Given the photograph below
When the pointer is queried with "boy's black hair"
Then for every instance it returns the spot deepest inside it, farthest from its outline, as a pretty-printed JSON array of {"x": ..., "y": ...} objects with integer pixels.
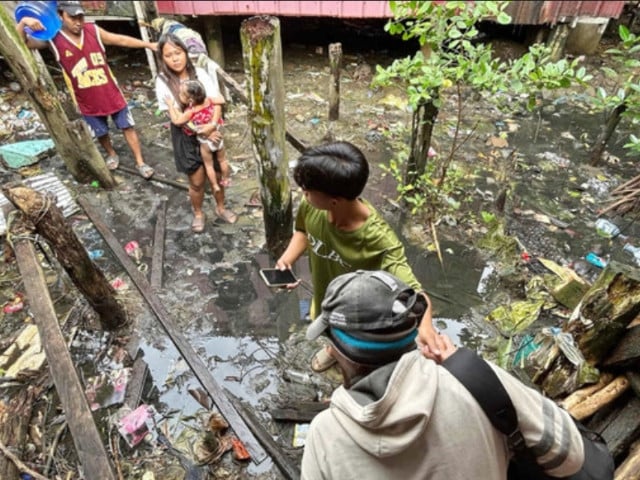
[
  {"x": 195, "y": 91},
  {"x": 337, "y": 169}
]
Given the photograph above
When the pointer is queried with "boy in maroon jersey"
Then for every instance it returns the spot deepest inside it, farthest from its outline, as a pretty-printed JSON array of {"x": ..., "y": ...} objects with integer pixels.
[{"x": 79, "y": 48}]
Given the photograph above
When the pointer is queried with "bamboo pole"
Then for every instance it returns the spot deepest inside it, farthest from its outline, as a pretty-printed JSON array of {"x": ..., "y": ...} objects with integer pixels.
[{"x": 144, "y": 33}]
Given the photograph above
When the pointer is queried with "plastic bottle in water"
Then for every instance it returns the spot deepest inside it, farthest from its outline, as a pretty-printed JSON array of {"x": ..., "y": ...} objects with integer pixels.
[
  {"x": 635, "y": 251},
  {"x": 595, "y": 260},
  {"x": 606, "y": 229}
]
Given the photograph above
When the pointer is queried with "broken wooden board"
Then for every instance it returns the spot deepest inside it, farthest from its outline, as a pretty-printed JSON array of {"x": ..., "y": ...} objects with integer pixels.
[
  {"x": 601, "y": 319},
  {"x": 157, "y": 259},
  {"x": 299, "y": 412},
  {"x": 622, "y": 428},
  {"x": 86, "y": 438},
  {"x": 286, "y": 466},
  {"x": 25, "y": 353},
  {"x": 627, "y": 352}
]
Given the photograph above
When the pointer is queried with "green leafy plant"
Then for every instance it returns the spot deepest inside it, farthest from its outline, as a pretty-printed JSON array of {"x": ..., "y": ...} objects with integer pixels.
[
  {"x": 450, "y": 61},
  {"x": 622, "y": 99}
]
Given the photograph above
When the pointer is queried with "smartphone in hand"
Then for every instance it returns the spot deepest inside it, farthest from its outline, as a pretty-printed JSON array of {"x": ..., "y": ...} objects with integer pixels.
[{"x": 275, "y": 277}]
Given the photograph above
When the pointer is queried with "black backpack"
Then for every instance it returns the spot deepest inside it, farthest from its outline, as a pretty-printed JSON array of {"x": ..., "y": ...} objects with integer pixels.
[{"x": 483, "y": 383}]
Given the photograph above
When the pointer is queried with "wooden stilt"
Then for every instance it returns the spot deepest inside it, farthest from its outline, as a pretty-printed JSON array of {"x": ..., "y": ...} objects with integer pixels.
[{"x": 335, "y": 64}]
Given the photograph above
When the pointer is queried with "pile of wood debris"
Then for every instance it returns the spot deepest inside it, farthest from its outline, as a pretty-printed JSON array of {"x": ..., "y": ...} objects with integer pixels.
[{"x": 590, "y": 366}]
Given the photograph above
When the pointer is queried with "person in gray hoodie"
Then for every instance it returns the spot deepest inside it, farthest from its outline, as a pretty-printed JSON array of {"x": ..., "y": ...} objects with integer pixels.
[{"x": 401, "y": 415}]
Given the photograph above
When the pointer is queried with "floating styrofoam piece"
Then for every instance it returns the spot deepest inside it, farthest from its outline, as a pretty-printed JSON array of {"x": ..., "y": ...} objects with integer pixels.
[
  {"x": 49, "y": 183},
  {"x": 28, "y": 152}
]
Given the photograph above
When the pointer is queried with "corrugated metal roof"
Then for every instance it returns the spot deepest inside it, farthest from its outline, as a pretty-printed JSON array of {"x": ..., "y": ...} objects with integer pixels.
[{"x": 522, "y": 12}]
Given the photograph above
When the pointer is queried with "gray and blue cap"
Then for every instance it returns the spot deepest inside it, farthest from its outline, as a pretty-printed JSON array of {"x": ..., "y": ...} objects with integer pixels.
[
  {"x": 72, "y": 8},
  {"x": 370, "y": 316}
]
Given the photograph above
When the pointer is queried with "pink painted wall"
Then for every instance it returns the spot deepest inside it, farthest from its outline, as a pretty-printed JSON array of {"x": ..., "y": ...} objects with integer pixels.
[
  {"x": 522, "y": 12},
  {"x": 372, "y": 9}
]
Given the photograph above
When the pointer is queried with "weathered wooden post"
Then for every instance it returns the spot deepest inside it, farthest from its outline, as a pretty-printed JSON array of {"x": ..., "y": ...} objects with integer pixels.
[
  {"x": 49, "y": 222},
  {"x": 558, "y": 40},
  {"x": 262, "y": 55},
  {"x": 86, "y": 438},
  {"x": 72, "y": 138},
  {"x": 212, "y": 30},
  {"x": 335, "y": 63}
]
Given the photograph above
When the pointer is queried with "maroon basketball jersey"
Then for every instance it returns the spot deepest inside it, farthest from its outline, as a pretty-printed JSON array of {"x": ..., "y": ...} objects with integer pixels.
[{"x": 87, "y": 73}]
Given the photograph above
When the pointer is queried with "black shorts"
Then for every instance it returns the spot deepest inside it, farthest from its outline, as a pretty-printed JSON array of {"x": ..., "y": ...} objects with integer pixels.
[{"x": 186, "y": 151}]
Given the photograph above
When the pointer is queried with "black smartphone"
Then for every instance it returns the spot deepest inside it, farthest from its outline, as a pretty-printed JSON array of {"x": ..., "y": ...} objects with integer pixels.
[{"x": 274, "y": 277}]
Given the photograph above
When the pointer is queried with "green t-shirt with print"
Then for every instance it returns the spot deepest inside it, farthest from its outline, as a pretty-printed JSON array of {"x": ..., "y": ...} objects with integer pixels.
[{"x": 333, "y": 252}]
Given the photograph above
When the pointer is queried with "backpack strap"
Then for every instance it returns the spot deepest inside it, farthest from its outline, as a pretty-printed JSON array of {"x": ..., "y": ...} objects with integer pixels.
[{"x": 485, "y": 386}]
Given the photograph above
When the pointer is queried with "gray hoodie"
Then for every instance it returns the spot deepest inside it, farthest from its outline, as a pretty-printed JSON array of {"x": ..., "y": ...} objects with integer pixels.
[{"x": 414, "y": 420}]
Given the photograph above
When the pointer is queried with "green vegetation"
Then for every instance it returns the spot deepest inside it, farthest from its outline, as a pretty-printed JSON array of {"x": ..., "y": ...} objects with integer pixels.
[
  {"x": 622, "y": 100},
  {"x": 451, "y": 64}
]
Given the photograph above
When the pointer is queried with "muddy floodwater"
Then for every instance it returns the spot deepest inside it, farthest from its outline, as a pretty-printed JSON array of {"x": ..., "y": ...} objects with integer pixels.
[{"x": 250, "y": 337}]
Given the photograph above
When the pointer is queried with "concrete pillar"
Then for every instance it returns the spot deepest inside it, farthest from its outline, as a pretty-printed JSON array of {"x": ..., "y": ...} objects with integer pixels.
[{"x": 585, "y": 37}]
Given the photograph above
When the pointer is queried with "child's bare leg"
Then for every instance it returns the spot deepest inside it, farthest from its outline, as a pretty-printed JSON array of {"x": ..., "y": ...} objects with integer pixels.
[
  {"x": 207, "y": 159},
  {"x": 224, "y": 167}
]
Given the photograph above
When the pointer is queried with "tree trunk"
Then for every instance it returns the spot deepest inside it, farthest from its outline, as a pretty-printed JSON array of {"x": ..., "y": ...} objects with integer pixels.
[
  {"x": 335, "y": 63},
  {"x": 71, "y": 138},
  {"x": 262, "y": 55},
  {"x": 421, "y": 130},
  {"x": 49, "y": 222},
  {"x": 612, "y": 122}
]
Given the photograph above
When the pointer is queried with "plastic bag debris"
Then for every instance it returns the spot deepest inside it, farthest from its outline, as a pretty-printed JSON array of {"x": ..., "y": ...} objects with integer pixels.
[
  {"x": 133, "y": 250},
  {"x": 300, "y": 432},
  {"x": 137, "y": 425},
  {"x": 108, "y": 388},
  {"x": 14, "y": 305}
]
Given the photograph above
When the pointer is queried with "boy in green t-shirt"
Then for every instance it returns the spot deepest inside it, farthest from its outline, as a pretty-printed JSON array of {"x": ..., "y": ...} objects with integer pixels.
[{"x": 343, "y": 233}]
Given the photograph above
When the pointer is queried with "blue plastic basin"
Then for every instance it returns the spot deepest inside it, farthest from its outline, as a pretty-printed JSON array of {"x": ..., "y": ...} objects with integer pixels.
[{"x": 46, "y": 12}]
